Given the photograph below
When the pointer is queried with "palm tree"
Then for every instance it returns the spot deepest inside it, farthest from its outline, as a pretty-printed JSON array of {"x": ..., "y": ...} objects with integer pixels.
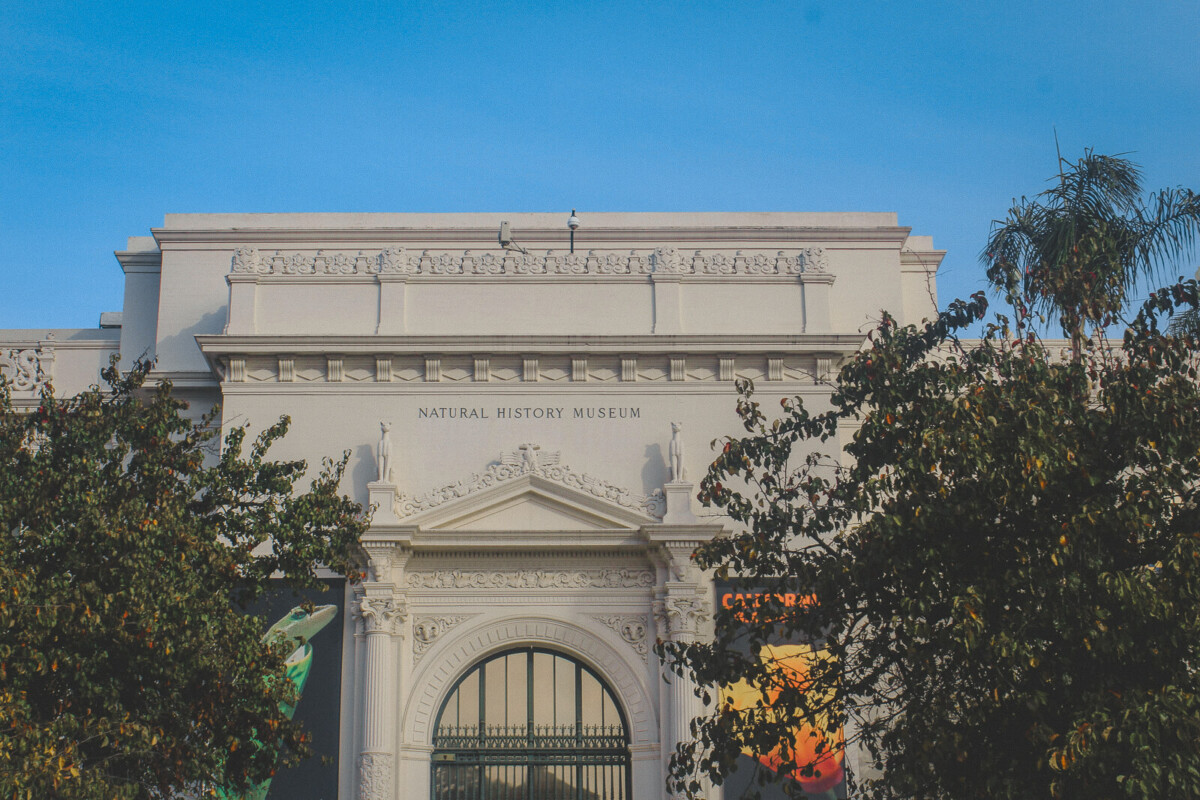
[{"x": 1079, "y": 247}]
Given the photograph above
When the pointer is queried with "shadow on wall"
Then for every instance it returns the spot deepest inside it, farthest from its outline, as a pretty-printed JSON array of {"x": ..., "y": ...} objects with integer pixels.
[
  {"x": 361, "y": 470},
  {"x": 212, "y": 322},
  {"x": 654, "y": 472}
]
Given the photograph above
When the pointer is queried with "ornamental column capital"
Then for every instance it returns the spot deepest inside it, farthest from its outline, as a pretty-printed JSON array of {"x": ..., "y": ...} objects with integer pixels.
[
  {"x": 383, "y": 614},
  {"x": 686, "y": 613}
]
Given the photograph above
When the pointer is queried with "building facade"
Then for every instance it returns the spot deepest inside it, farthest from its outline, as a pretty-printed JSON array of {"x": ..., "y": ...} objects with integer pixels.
[{"x": 529, "y": 421}]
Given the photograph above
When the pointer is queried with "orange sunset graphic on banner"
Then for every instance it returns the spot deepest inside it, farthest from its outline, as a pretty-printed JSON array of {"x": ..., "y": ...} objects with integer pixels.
[{"x": 814, "y": 746}]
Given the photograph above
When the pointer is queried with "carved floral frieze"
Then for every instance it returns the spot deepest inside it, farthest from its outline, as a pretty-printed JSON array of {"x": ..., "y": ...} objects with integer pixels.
[
  {"x": 530, "y": 460},
  {"x": 532, "y": 579},
  {"x": 401, "y": 261}
]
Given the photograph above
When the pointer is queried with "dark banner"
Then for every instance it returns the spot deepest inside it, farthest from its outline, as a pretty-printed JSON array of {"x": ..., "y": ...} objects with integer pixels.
[
  {"x": 314, "y": 778},
  {"x": 795, "y": 659}
]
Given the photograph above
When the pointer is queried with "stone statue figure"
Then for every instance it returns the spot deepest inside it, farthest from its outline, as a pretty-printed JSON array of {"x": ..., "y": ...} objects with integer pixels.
[
  {"x": 531, "y": 456},
  {"x": 676, "y": 453},
  {"x": 384, "y": 457},
  {"x": 297, "y": 629}
]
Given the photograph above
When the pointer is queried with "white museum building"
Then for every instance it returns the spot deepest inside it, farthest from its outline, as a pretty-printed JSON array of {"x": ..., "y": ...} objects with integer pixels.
[{"x": 529, "y": 408}]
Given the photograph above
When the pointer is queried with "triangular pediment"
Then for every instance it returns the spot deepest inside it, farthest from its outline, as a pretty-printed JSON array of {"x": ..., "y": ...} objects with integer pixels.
[{"x": 530, "y": 503}]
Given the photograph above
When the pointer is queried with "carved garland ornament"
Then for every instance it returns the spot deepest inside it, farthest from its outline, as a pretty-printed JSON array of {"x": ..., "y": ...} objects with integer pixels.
[
  {"x": 532, "y": 579},
  {"x": 530, "y": 460},
  {"x": 399, "y": 261}
]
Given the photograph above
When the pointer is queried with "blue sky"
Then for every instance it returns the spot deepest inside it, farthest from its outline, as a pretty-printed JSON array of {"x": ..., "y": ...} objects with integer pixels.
[{"x": 112, "y": 114}]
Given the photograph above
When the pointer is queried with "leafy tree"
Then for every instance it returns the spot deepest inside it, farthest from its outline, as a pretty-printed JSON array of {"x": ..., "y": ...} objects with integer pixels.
[
  {"x": 1079, "y": 247},
  {"x": 1001, "y": 550},
  {"x": 129, "y": 550}
]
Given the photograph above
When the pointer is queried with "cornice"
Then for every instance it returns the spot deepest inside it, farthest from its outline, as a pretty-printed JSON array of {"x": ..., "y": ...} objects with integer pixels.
[
  {"x": 921, "y": 260},
  {"x": 302, "y": 344},
  {"x": 483, "y": 542},
  {"x": 169, "y": 238},
  {"x": 139, "y": 260},
  {"x": 183, "y": 379}
]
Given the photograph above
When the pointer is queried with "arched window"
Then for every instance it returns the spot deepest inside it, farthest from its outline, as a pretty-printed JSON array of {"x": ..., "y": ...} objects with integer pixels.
[{"x": 531, "y": 724}]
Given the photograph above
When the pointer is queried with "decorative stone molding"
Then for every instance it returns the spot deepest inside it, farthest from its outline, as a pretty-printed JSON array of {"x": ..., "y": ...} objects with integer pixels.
[
  {"x": 679, "y": 555},
  {"x": 529, "y": 370},
  {"x": 22, "y": 369},
  {"x": 658, "y": 613},
  {"x": 427, "y": 630},
  {"x": 382, "y": 614},
  {"x": 623, "y": 672},
  {"x": 380, "y": 558},
  {"x": 375, "y": 776},
  {"x": 529, "y": 459},
  {"x": 245, "y": 260},
  {"x": 474, "y": 369},
  {"x": 666, "y": 260},
  {"x": 628, "y": 370},
  {"x": 660, "y": 261},
  {"x": 678, "y": 368},
  {"x": 395, "y": 261},
  {"x": 237, "y": 370},
  {"x": 532, "y": 579},
  {"x": 433, "y": 370},
  {"x": 383, "y": 370},
  {"x": 632, "y": 629},
  {"x": 334, "y": 370}
]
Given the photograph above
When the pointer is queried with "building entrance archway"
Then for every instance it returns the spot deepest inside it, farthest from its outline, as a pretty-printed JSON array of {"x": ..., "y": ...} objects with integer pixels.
[{"x": 531, "y": 724}]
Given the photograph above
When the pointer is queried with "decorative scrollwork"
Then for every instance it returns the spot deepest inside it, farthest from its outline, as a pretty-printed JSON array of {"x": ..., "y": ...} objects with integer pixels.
[
  {"x": 667, "y": 261},
  {"x": 22, "y": 369},
  {"x": 245, "y": 260},
  {"x": 532, "y": 579},
  {"x": 531, "y": 459},
  {"x": 630, "y": 628},
  {"x": 814, "y": 259},
  {"x": 396, "y": 261},
  {"x": 662, "y": 260},
  {"x": 382, "y": 614}
]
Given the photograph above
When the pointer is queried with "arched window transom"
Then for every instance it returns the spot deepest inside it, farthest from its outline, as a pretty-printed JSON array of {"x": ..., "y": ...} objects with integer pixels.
[{"x": 531, "y": 724}]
